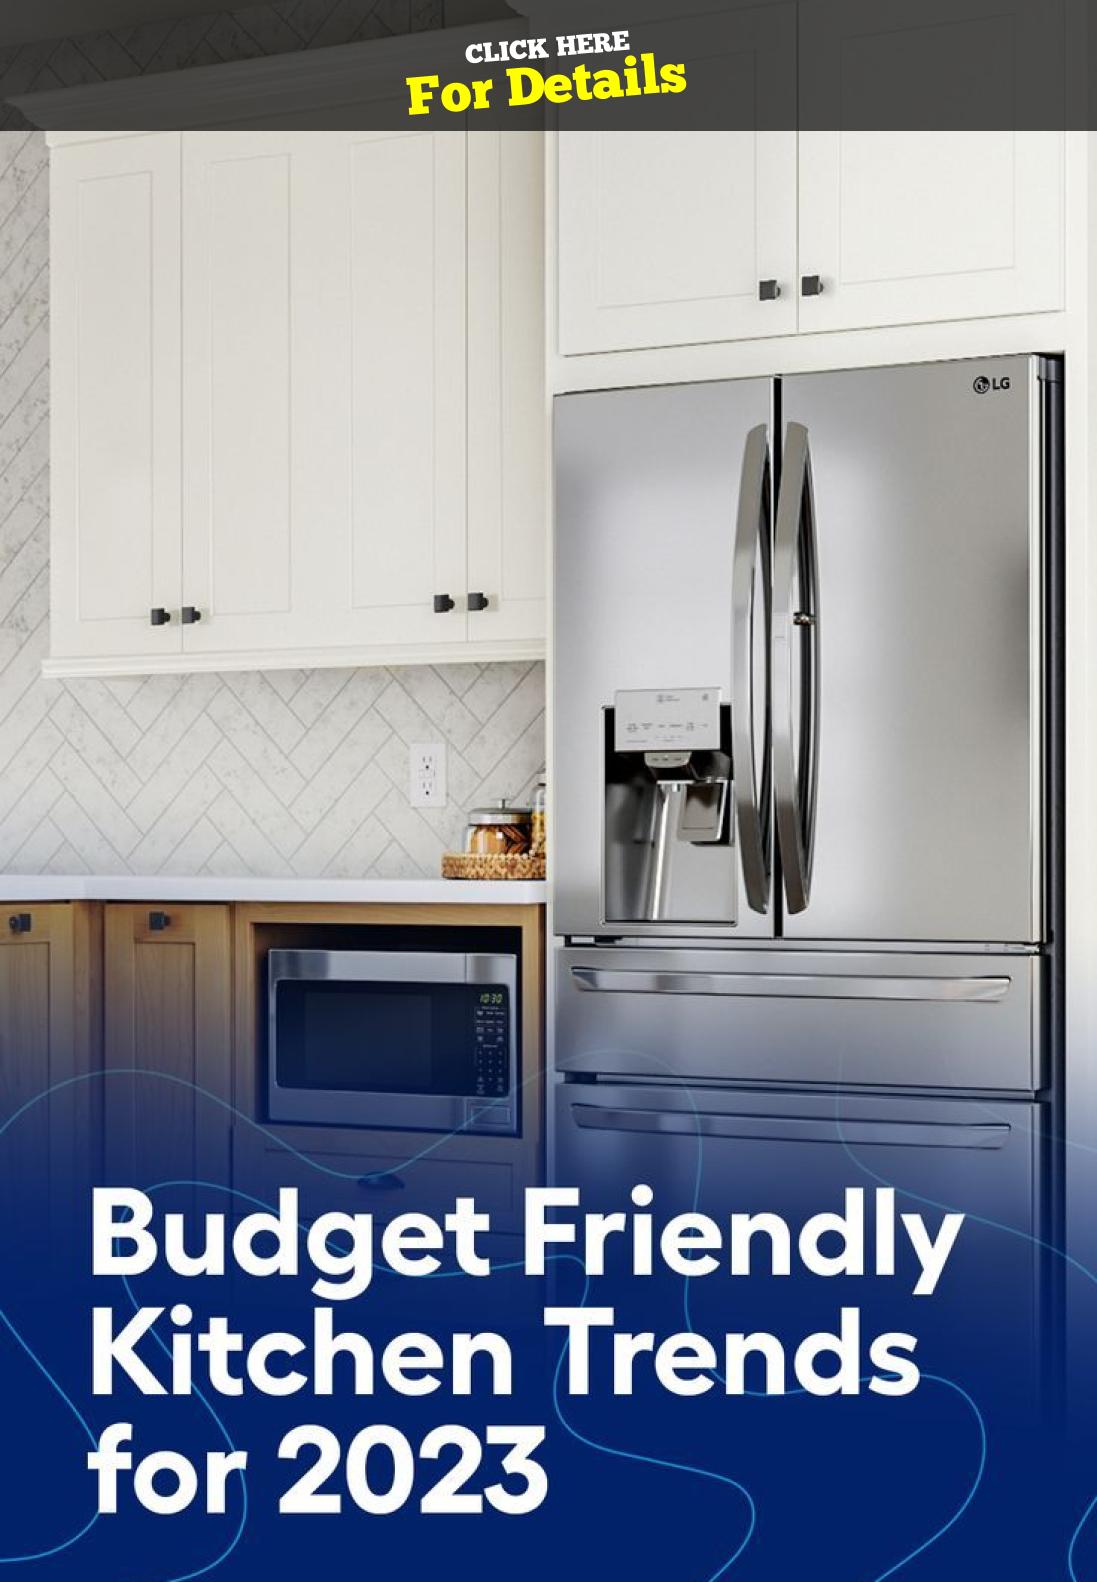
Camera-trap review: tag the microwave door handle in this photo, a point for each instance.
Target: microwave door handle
(751, 787)
(794, 1129)
(795, 669)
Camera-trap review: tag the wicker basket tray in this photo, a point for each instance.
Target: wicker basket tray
(492, 865)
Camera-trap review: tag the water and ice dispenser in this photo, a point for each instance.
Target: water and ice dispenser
(668, 832)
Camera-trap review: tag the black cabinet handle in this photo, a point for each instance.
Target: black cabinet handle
(442, 603)
(188, 615)
(768, 291)
(478, 601)
(811, 286)
(158, 921)
(19, 923)
(381, 1181)
(159, 616)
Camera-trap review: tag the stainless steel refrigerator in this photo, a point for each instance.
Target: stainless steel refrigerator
(806, 792)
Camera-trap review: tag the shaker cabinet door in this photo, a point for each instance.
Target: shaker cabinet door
(507, 420)
(670, 238)
(115, 392)
(908, 227)
(168, 1021)
(324, 402)
(396, 400)
(903, 227)
(249, 539)
(49, 1051)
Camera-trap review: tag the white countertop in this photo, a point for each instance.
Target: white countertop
(126, 887)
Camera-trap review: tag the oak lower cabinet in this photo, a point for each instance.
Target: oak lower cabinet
(50, 1002)
(302, 417)
(168, 1046)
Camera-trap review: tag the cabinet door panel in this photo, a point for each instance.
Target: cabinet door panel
(49, 1036)
(168, 1017)
(115, 381)
(254, 532)
(238, 311)
(909, 226)
(507, 409)
(325, 395)
(664, 237)
(407, 234)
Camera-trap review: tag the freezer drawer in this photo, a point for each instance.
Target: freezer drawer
(789, 1149)
(860, 1019)
(726, 1151)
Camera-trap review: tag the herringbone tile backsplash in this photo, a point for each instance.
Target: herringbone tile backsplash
(274, 773)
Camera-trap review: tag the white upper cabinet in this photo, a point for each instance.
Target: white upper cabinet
(114, 398)
(324, 421)
(904, 227)
(404, 378)
(668, 238)
(665, 238)
(352, 351)
(507, 403)
(245, 535)
(907, 227)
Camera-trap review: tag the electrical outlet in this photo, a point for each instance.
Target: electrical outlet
(427, 774)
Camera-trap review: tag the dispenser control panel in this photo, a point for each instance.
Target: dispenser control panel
(668, 719)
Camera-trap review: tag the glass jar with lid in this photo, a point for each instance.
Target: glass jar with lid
(537, 822)
(498, 830)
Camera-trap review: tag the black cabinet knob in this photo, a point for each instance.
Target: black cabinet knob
(188, 615)
(442, 603)
(768, 291)
(478, 601)
(19, 923)
(158, 921)
(811, 286)
(159, 616)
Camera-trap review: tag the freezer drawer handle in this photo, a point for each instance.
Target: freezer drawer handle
(795, 1129)
(751, 780)
(789, 985)
(795, 669)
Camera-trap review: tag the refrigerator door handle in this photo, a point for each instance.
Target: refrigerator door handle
(791, 985)
(794, 1129)
(751, 781)
(795, 669)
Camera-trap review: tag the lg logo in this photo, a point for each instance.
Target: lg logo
(982, 384)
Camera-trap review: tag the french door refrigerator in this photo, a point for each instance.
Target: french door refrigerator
(806, 787)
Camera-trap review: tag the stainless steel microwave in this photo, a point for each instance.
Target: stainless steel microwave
(425, 1040)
